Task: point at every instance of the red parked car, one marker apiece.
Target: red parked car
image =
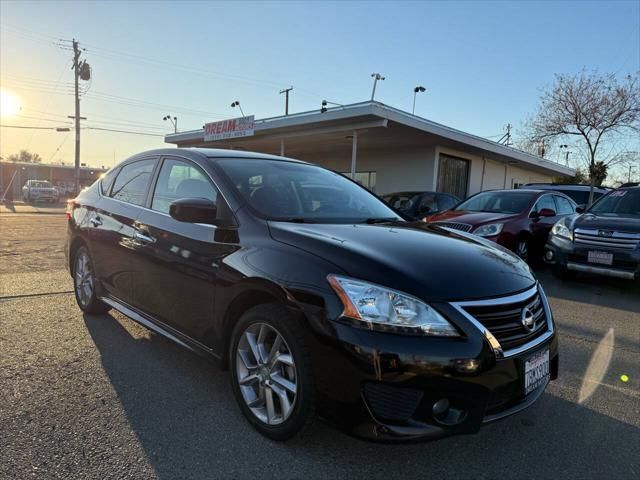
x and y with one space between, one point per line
517 219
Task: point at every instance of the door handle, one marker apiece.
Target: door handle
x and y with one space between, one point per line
96 221
142 237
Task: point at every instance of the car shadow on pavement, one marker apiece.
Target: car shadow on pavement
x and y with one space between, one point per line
595 290
183 412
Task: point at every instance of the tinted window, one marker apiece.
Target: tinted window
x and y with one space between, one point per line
107 180
498 202
564 206
625 203
445 202
300 192
546 201
132 181
428 203
180 179
402 201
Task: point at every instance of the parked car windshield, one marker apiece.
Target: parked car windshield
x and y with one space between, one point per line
41 184
291 191
620 203
498 202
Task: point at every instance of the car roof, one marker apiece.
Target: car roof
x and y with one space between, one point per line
213 153
417 192
564 186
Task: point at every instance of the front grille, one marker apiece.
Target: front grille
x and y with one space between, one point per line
465 227
606 238
391 403
503 318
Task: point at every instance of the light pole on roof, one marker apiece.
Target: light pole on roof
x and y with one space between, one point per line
376 77
418 89
237 104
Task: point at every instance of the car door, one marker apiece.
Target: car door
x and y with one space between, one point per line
541 226
111 227
177 265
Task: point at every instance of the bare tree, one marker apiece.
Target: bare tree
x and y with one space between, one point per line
25 156
591 108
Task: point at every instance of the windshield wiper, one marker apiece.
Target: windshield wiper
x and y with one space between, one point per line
372 221
295 220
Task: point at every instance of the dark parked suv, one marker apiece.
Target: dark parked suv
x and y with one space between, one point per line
317 304
604 240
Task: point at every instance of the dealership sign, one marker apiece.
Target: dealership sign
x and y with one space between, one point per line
232 128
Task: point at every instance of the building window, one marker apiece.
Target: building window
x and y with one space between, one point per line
366 179
453 175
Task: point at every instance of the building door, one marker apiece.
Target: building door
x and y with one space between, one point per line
453 176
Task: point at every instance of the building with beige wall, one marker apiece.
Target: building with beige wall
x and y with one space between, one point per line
388 150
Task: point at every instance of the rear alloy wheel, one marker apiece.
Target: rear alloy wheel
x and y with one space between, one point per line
271 373
84 283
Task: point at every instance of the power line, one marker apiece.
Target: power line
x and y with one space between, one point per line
27 127
123 131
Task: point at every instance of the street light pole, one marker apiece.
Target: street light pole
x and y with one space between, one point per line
420 89
286 101
237 104
174 122
376 77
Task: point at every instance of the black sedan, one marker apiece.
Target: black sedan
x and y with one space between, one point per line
417 205
318 304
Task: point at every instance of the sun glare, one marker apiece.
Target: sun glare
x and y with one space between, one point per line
9 104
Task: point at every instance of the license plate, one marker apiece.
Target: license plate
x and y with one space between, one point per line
603 258
536 371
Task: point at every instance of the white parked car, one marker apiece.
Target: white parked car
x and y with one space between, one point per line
39 191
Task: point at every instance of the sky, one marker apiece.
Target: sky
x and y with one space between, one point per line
484 64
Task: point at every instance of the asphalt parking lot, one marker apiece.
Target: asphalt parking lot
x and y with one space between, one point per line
101 397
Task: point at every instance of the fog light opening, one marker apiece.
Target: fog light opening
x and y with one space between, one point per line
444 414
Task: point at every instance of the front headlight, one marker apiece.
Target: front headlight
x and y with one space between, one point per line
382 308
561 230
488 230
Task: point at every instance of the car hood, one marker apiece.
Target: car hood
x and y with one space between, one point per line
472 218
426 261
604 222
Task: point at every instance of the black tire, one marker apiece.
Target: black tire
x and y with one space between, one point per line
87 303
304 406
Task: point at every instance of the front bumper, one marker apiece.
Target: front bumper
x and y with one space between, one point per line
565 254
386 387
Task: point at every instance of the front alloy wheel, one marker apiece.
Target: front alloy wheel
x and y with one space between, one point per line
271 372
266 373
522 249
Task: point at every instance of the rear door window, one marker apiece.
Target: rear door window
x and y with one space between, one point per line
107 181
132 182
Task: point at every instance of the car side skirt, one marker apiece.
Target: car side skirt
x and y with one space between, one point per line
160 328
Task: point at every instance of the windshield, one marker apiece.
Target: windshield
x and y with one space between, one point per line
402 201
498 202
620 203
41 184
300 192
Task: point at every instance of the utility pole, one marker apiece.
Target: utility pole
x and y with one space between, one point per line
507 136
286 101
76 70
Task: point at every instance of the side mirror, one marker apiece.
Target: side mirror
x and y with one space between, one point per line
194 210
581 208
547 212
